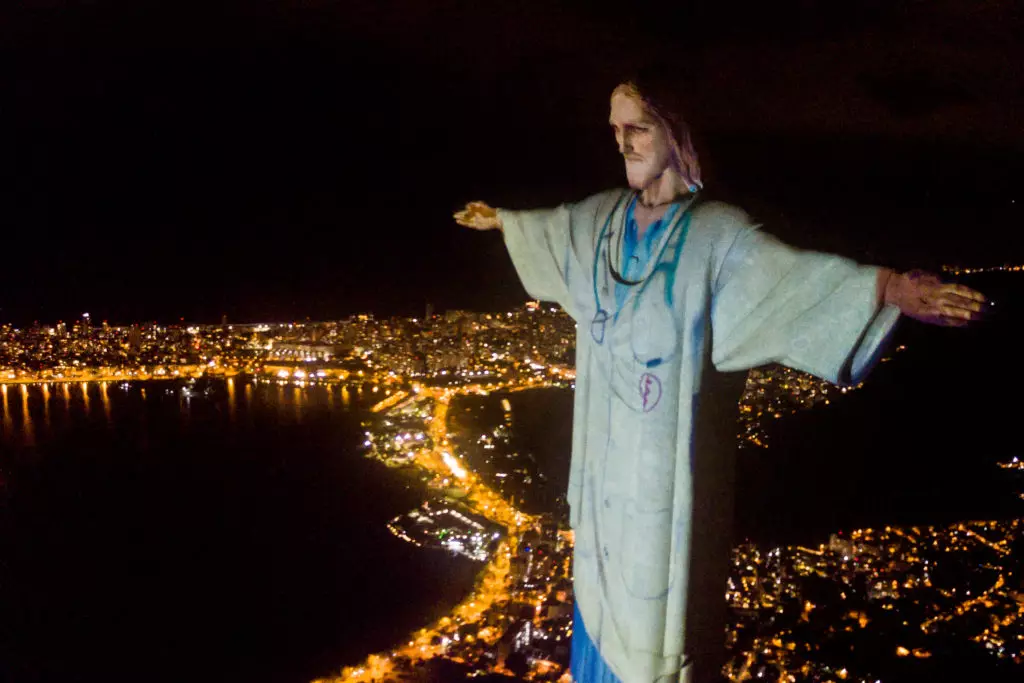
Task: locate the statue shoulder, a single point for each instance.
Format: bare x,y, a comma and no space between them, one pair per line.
719,216
716,226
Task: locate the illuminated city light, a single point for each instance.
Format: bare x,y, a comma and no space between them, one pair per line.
453,465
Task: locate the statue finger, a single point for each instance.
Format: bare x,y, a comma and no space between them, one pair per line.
956,312
965,292
964,302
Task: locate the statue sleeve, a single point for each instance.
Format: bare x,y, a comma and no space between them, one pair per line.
814,312
540,244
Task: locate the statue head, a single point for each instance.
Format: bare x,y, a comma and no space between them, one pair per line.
652,135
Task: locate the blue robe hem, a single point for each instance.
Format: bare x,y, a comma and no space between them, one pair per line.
586,663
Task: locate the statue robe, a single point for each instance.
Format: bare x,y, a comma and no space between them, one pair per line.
650,486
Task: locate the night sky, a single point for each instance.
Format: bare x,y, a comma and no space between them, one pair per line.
284,160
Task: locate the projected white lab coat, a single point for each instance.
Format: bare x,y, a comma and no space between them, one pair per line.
718,292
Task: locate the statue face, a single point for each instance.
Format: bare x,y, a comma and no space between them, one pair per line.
643,140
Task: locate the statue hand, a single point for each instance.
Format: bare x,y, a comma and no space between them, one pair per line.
924,297
479,216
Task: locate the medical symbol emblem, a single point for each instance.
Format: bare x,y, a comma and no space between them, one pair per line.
650,391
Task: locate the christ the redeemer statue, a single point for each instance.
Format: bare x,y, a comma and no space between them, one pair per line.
666,289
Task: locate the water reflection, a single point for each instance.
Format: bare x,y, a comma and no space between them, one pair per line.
8,423
240,403
231,398
298,393
26,418
185,402
46,406
105,398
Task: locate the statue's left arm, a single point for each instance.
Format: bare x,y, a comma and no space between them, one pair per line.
815,312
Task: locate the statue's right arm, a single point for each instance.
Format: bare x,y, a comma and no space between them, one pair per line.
539,241
479,216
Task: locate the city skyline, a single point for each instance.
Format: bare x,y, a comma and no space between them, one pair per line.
427,309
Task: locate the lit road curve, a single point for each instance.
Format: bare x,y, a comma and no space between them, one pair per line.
440,462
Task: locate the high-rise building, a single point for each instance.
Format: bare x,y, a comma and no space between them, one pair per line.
134,338
85,326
